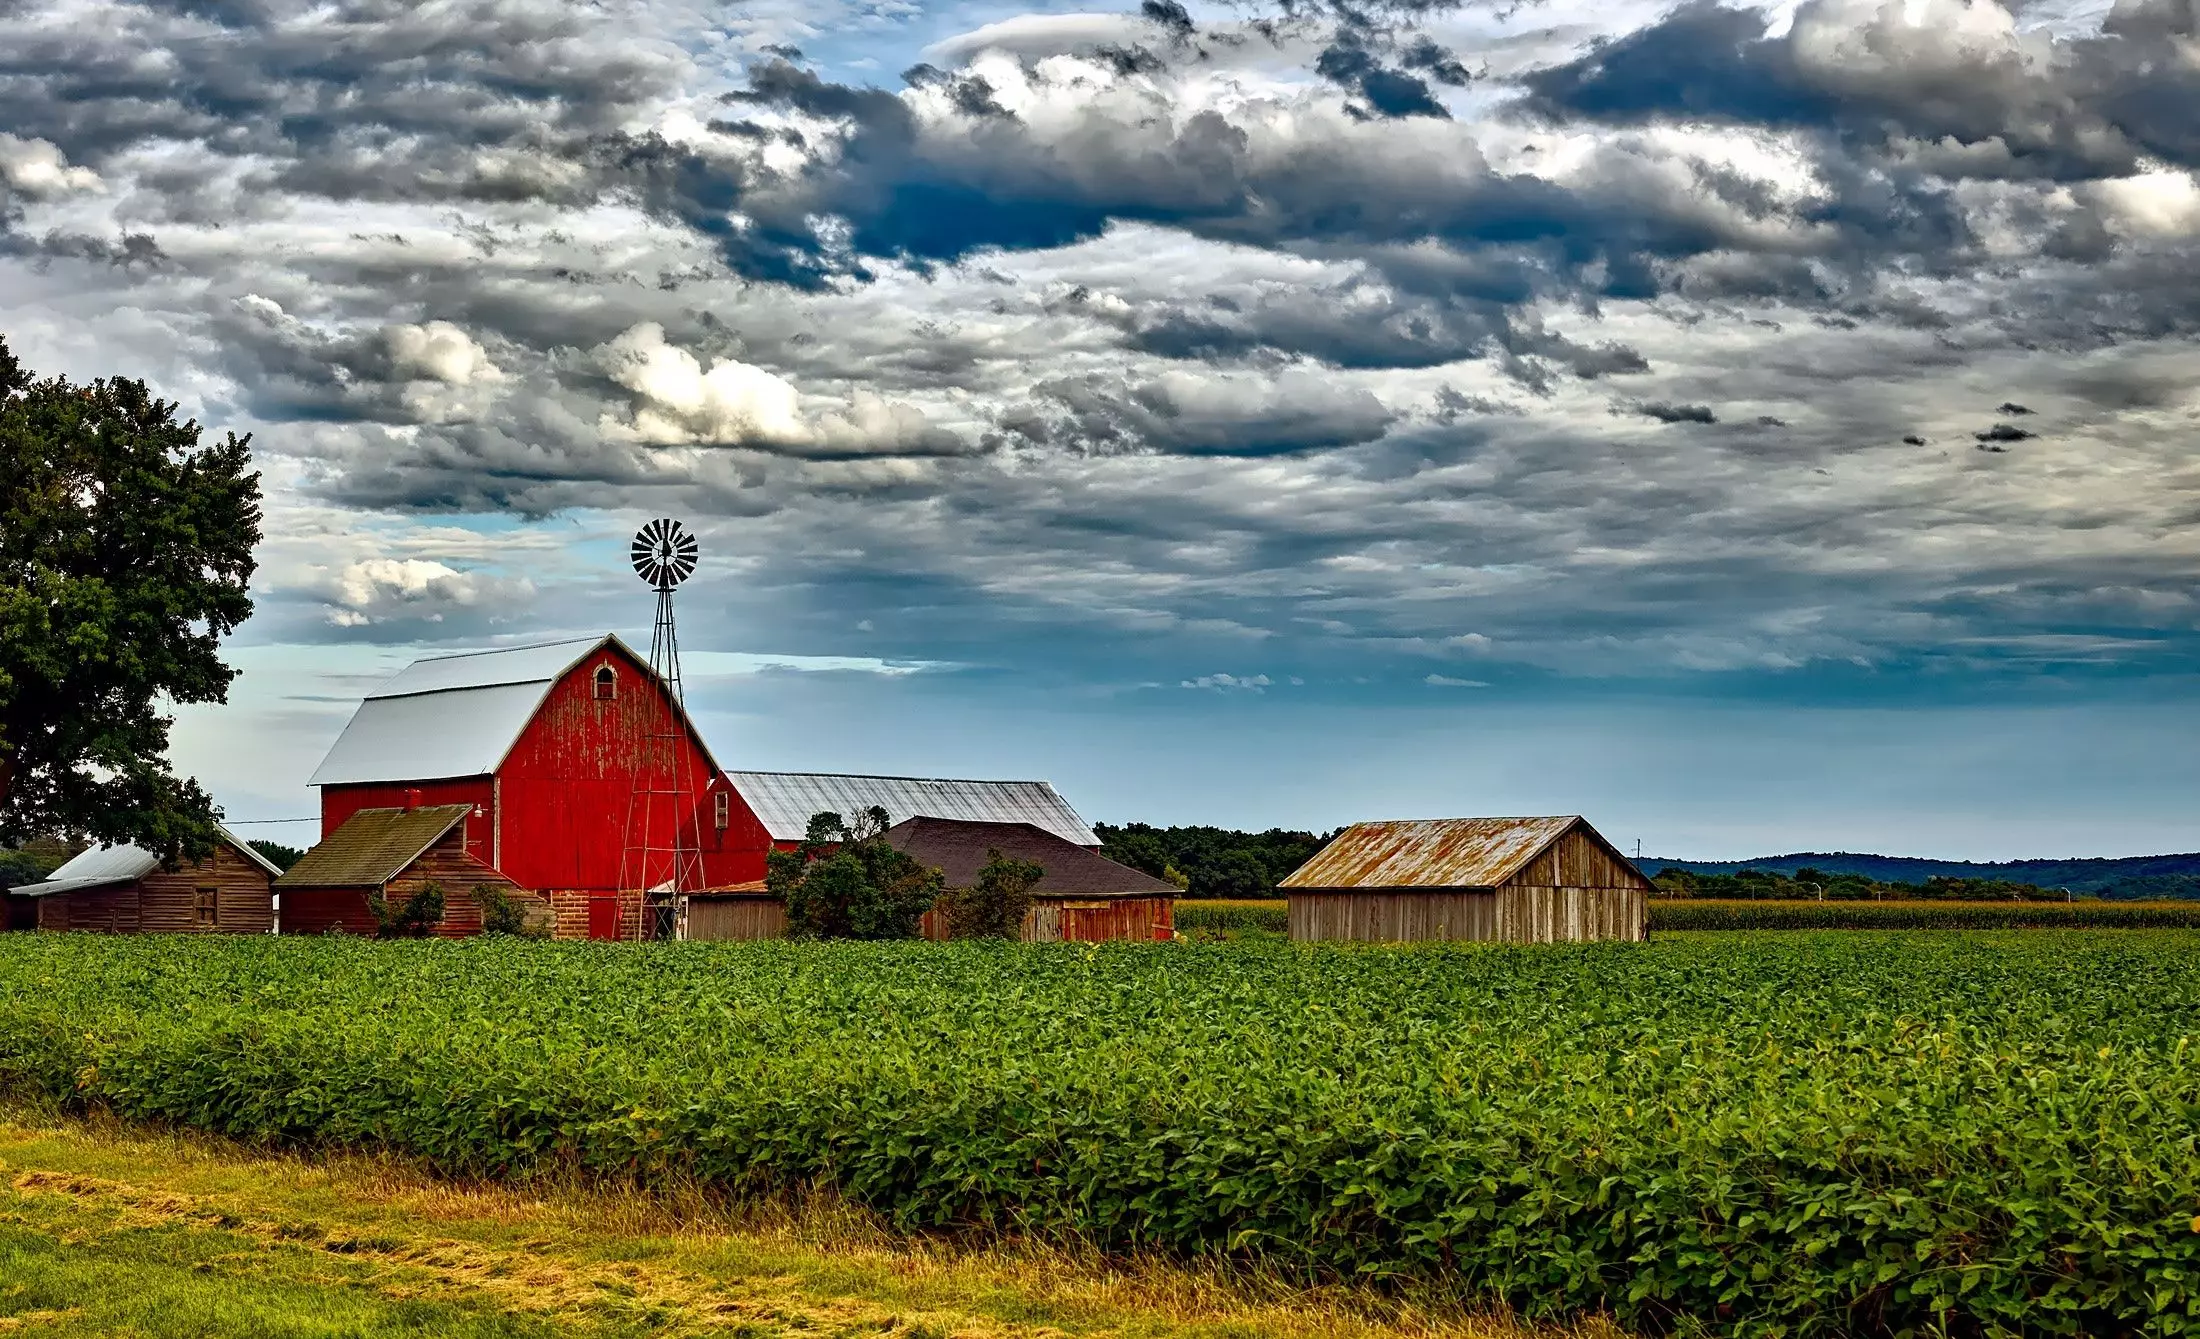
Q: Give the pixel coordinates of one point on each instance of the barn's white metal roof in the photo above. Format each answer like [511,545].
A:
[784,801]
[103,865]
[429,736]
[452,716]
[541,663]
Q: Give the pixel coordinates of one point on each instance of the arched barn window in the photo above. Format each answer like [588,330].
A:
[607,683]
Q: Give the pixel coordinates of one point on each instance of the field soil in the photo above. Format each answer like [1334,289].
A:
[107,1230]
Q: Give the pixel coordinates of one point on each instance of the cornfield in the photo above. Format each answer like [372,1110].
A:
[1791,1134]
[1693,914]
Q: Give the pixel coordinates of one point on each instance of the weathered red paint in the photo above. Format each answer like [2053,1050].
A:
[553,817]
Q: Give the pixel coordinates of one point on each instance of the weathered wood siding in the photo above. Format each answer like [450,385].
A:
[1394,914]
[314,911]
[112,910]
[1577,860]
[1092,921]
[242,902]
[717,918]
[1527,915]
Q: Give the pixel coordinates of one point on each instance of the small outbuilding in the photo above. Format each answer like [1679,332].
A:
[1512,880]
[123,890]
[1081,896]
[394,853]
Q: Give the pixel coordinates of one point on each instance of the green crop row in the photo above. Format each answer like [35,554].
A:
[1218,917]
[1769,1134]
[1692,914]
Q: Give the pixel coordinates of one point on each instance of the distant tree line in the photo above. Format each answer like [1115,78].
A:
[1211,862]
[1813,884]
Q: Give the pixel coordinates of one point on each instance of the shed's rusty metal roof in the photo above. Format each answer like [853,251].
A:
[373,847]
[1429,853]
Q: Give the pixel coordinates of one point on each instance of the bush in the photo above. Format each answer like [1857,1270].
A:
[410,919]
[501,913]
[994,906]
[845,882]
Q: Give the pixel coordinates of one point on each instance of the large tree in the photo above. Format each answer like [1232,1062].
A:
[125,549]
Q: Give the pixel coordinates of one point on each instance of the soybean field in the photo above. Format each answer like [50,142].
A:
[1778,1133]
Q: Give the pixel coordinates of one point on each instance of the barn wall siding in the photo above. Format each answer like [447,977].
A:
[313,911]
[1393,915]
[339,803]
[242,902]
[563,792]
[449,864]
[727,918]
[1531,915]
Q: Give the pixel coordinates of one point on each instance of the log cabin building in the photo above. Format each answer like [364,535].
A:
[123,890]
[1510,880]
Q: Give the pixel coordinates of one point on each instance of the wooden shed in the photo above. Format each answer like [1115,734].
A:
[123,890]
[393,852]
[1081,896]
[1513,880]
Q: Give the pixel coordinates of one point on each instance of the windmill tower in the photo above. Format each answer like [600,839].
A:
[663,858]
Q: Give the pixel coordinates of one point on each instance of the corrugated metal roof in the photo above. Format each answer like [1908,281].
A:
[540,663]
[784,801]
[1429,853]
[372,847]
[426,736]
[959,849]
[451,716]
[125,863]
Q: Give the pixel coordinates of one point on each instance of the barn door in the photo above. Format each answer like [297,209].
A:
[603,918]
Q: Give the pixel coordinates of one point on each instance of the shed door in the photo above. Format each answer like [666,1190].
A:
[603,918]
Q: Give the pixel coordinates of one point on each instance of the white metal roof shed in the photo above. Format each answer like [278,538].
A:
[102,865]
[784,801]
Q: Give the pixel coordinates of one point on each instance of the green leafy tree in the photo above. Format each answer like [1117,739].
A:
[995,905]
[501,913]
[125,549]
[844,881]
[280,856]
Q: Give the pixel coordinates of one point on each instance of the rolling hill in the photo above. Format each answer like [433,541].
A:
[2117,877]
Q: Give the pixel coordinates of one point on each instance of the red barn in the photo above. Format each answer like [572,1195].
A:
[546,744]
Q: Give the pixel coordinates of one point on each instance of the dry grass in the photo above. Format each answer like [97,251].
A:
[573,1258]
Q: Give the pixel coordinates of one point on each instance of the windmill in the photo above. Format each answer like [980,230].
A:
[663,858]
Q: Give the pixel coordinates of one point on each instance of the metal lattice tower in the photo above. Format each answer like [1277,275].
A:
[663,859]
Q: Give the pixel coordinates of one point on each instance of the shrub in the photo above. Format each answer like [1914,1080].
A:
[410,919]
[994,906]
[501,913]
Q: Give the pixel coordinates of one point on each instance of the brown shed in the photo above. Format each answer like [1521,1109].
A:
[1082,896]
[1515,880]
[123,890]
[394,852]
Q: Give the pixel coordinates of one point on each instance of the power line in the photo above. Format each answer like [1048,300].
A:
[248,822]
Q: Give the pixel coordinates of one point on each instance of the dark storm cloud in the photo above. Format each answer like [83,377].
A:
[1961,101]
[1198,415]
[1664,412]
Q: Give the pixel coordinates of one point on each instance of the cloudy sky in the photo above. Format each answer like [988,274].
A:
[1757,429]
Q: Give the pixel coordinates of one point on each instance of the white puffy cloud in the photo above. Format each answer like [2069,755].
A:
[438,351]
[36,168]
[678,403]
[381,590]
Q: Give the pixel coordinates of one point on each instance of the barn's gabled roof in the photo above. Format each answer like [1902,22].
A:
[452,716]
[103,865]
[373,847]
[1430,853]
[784,801]
[960,849]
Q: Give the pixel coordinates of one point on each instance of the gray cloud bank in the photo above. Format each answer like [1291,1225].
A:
[1472,339]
